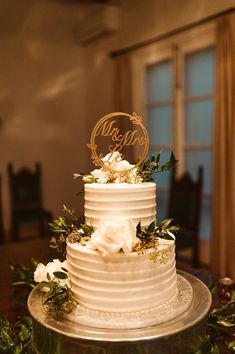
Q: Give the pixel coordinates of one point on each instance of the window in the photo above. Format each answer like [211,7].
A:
[177,103]
[159,108]
[198,120]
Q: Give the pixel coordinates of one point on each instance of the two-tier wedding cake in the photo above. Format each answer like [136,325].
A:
[120,263]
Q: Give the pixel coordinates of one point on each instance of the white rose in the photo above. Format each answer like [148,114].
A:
[113,235]
[41,271]
[101,175]
[123,166]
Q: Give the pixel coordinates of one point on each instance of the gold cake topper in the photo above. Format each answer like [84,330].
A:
[119,132]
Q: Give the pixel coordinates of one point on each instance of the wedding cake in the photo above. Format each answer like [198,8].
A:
[111,274]
[120,267]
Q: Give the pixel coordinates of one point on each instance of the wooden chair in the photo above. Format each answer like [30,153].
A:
[185,208]
[1,214]
[26,201]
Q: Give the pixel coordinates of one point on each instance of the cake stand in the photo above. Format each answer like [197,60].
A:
[178,336]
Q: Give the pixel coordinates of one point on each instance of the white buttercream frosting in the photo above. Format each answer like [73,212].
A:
[123,282]
[135,202]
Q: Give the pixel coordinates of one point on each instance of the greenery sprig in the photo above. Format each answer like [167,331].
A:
[24,279]
[164,230]
[58,298]
[149,239]
[152,165]
[16,339]
[145,172]
[63,226]
[218,340]
[85,177]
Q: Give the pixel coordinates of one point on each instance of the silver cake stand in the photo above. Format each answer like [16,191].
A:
[177,336]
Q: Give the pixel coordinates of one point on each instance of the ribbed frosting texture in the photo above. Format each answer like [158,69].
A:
[122,282]
[136,202]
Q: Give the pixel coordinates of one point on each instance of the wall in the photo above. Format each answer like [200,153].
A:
[42,96]
[53,90]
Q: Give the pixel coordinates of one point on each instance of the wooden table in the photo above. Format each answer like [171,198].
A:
[20,252]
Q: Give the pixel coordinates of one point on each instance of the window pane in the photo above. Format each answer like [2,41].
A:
[159,82]
[198,122]
[196,158]
[162,178]
[199,72]
[160,125]
[205,227]
[162,205]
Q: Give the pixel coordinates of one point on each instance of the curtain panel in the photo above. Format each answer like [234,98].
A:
[223,220]
[123,93]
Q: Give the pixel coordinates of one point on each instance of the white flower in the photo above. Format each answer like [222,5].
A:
[123,166]
[41,271]
[114,235]
[115,170]
[101,175]
[115,162]
[112,158]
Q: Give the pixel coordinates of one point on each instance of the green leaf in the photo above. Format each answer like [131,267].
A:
[78,175]
[64,269]
[231,345]
[225,323]
[138,228]
[166,237]
[60,275]
[87,229]
[152,165]
[166,223]
[151,228]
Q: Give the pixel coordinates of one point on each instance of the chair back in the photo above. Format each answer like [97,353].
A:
[26,201]
[25,188]
[185,208]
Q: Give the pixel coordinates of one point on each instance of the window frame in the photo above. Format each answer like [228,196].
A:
[174,48]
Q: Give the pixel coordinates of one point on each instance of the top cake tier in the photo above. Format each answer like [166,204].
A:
[136,202]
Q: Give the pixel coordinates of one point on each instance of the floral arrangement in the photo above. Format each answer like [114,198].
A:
[54,282]
[117,170]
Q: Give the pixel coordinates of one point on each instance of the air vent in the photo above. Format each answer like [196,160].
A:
[98,23]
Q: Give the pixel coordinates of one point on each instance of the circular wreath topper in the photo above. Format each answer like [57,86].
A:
[118,135]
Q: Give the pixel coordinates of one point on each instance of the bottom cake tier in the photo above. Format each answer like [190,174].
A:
[181,334]
[166,311]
